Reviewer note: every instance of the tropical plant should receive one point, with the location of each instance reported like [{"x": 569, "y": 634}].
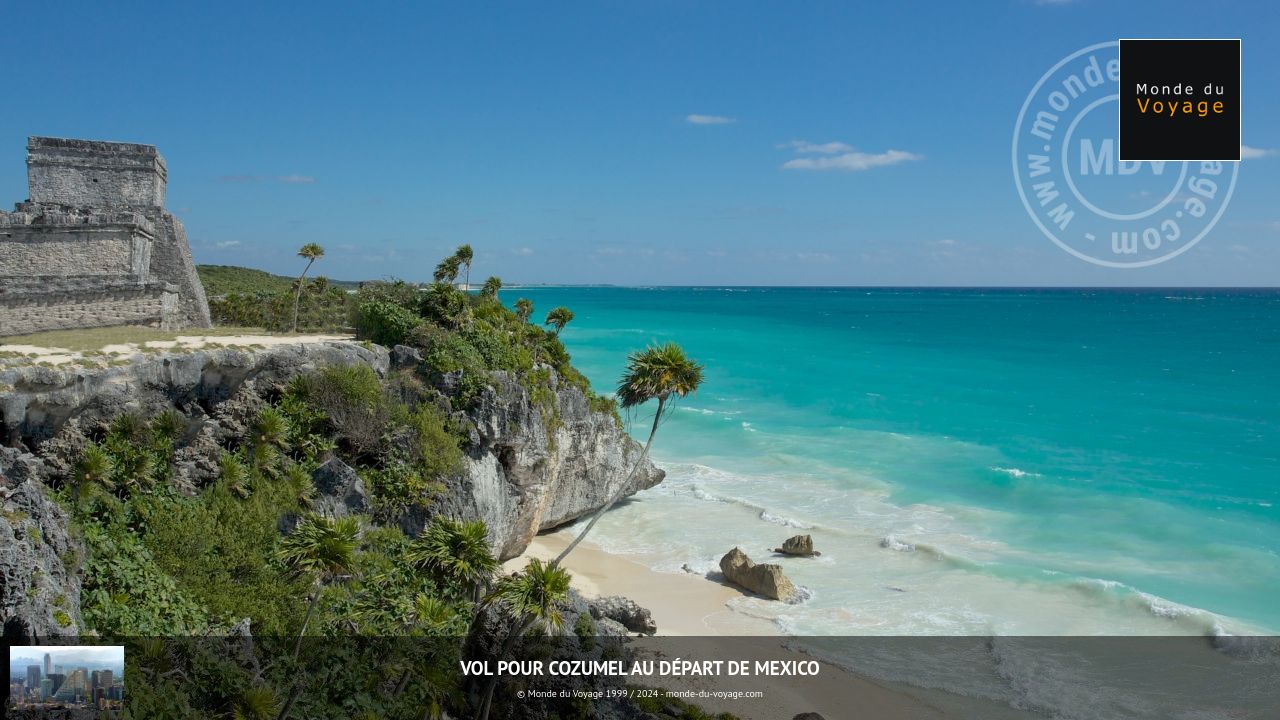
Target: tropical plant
[
  {"x": 312, "y": 252},
  {"x": 491, "y": 288},
  {"x": 448, "y": 269},
  {"x": 385, "y": 323},
  {"x": 323, "y": 549},
  {"x": 558, "y": 318},
  {"x": 659, "y": 372},
  {"x": 531, "y": 596},
  {"x": 524, "y": 309},
  {"x": 256, "y": 703},
  {"x": 456, "y": 552},
  {"x": 92, "y": 474},
  {"x": 464, "y": 256}
]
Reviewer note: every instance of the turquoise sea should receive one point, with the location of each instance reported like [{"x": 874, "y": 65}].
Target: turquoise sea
[{"x": 1019, "y": 462}]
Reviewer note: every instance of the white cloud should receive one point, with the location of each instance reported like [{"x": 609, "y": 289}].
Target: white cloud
[
  {"x": 709, "y": 119},
  {"x": 524, "y": 251},
  {"x": 227, "y": 244},
  {"x": 806, "y": 147},
  {"x": 852, "y": 161},
  {"x": 297, "y": 179},
  {"x": 1253, "y": 153}
]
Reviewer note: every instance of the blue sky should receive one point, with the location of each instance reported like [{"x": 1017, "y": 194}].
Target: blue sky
[{"x": 556, "y": 137}]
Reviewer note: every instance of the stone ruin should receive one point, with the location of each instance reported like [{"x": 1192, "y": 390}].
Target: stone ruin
[{"x": 94, "y": 246}]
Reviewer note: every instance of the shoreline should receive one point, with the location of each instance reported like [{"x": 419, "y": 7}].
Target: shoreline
[
  {"x": 692, "y": 614},
  {"x": 683, "y": 604}
]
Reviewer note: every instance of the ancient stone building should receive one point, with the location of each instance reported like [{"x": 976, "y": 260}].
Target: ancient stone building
[{"x": 93, "y": 245}]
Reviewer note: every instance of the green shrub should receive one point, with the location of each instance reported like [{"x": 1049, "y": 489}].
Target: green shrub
[
  {"x": 352, "y": 401},
  {"x": 126, "y": 593},
  {"x": 436, "y": 442},
  {"x": 385, "y": 323},
  {"x": 398, "y": 487}
]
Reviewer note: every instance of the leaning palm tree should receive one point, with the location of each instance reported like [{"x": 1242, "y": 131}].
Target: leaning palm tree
[
  {"x": 531, "y": 596},
  {"x": 465, "y": 256},
  {"x": 524, "y": 308},
  {"x": 491, "y": 288},
  {"x": 448, "y": 269},
  {"x": 558, "y": 318},
  {"x": 311, "y": 252},
  {"x": 659, "y": 372}
]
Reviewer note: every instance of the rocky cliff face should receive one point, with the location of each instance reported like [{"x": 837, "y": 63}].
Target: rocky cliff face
[
  {"x": 532, "y": 463},
  {"x": 537, "y": 464},
  {"x": 36, "y": 402}
]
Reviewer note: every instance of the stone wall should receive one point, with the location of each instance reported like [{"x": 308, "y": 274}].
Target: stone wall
[
  {"x": 94, "y": 245},
  {"x": 88, "y": 173},
  {"x": 151, "y": 305},
  {"x": 117, "y": 247}
]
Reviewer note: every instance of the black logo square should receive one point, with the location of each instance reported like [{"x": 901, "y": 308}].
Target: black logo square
[{"x": 1179, "y": 100}]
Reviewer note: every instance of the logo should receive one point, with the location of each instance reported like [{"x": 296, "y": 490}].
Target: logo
[{"x": 1107, "y": 211}]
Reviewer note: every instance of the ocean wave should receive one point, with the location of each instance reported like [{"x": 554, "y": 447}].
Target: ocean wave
[
  {"x": 767, "y": 516},
  {"x": 1015, "y": 472},
  {"x": 1196, "y": 620},
  {"x": 890, "y": 542}
]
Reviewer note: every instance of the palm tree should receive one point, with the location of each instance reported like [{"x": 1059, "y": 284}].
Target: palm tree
[
  {"x": 323, "y": 548},
  {"x": 464, "y": 256},
  {"x": 311, "y": 252},
  {"x": 558, "y": 318},
  {"x": 456, "y": 551},
  {"x": 448, "y": 269},
  {"x": 491, "y": 288},
  {"x": 257, "y": 702},
  {"x": 659, "y": 372},
  {"x": 532, "y": 595},
  {"x": 524, "y": 308}
]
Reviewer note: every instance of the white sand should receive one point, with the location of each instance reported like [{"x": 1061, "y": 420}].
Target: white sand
[{"x": 690, "y": 605}]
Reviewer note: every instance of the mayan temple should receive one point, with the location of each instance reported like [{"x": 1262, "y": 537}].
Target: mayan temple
[{"x": 93, "y": 245}]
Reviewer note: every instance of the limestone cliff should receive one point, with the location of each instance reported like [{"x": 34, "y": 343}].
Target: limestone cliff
[
  {"x": 537, "y": 465},
  {"x": 535, "y": 460}
]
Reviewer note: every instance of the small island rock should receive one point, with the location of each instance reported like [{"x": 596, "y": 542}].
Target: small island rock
[{"x": 760, "y": 578}]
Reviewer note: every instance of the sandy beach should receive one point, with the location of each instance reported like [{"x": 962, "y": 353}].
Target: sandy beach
[{"x": 694, "y": 622}]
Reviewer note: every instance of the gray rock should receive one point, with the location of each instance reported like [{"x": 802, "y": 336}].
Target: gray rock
[
  {"x": 625, "y": 611},
  {"x": 404, "y": 356},
  {"x": 760, "y": 578},
  {"x": 808, "y": 716},
  {"x": 39, "y": 568},
  {"x": 17, "y": 467},
  {"x": 533, "y": 467},
  {"x": 44, "y": 399},
  {"x": 801, "y": 545},
  {"x": 339, "y": 490}
]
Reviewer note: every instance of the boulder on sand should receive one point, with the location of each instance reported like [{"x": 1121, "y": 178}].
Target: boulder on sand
[
  {"x": 801, "y": 545},
  {"x": 760, "y": 578}
]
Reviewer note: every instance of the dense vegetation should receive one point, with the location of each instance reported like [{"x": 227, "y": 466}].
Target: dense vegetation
[
  {"x": 220, "y": 280},
  {"x": 247, "y": 543}
]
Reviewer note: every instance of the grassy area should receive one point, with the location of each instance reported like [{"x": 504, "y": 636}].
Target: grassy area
[
  {"x": 222, "y": 280},
  {"x": 89, "y": 339}
]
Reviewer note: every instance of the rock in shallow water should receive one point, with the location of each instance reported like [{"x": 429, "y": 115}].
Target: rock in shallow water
[
  {"x": 760, "y": 578},
  {"x": 801, "y": 545}
]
